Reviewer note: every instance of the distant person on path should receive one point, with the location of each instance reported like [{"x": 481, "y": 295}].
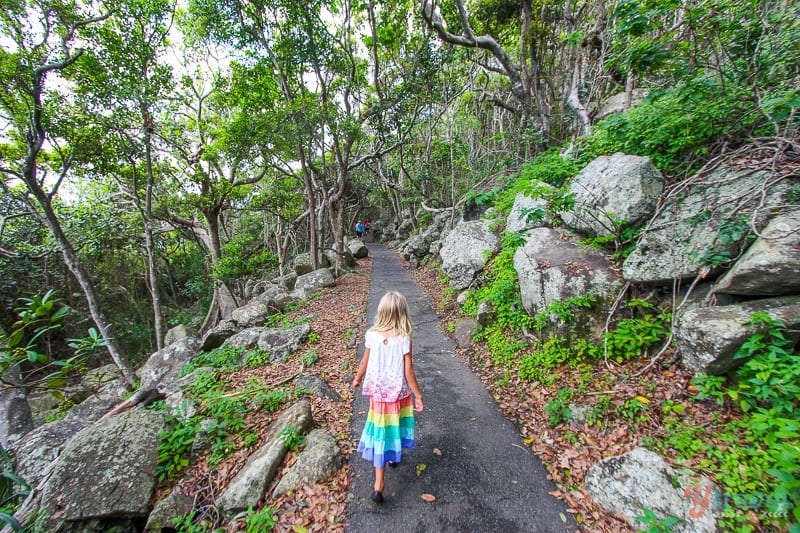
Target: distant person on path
[
  {"x": 359, "y": 229},
  {"x": 389, "y": 380}
]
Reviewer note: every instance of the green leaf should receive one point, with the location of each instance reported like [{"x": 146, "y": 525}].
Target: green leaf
[{"x": 10, "y": 521}]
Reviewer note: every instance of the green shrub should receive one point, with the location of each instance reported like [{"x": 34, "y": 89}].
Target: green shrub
[
  {"x": 557, "y": 410},
  {"x": 223, "y": 358},
  {"x": 256, "y": 358},
  {"x": 674, "y": 127},
  {"x": 757, "y": 456},
  {"x": 263, "y": 520},
  {"x": 292, "y": 437}
]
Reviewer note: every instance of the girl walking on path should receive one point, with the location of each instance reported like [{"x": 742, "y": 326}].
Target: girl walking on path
[{"x": 387, "y": 372}]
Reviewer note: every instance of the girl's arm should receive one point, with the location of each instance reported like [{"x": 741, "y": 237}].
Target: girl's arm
[
  {"x": 362, "y": 369},
  {"x": 411, "y": 377}
]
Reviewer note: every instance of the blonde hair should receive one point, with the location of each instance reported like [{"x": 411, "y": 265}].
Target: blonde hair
[{"x": 393, "y": 314}]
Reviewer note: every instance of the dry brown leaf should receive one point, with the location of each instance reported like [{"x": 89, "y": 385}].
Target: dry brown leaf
[{"x": 428, "y": 497}]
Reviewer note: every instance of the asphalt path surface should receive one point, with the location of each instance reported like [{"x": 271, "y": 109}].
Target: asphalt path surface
[{"x": 467, "y": 456}]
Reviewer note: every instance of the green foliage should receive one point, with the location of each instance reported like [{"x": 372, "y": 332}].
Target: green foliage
[
  {"x": 544, "y": 358},
  {"x": 256, "y": 358},
  {"x": 632, "y": 337},
  {"x": 38, "y": 320},
  {"x": 223, "y": 358},
  {"x": 757, "y": 456},
  {"x": 633, "y": 410},
  {"x": 220, "y": 417},
  {"x": 563, "y": 310},
  {"x": 28, "y": 347},
  {"x": 654, "y": 524},
  {"x": 557, "y": 410},
  {"x": 292, "y": 437},
  {"x": 263, "y": 520},
  {"x": 190, "y": 524},
  {"x": 674, "y": 127},
  {"x": 309, "y": 358},
  {"x": 770, "y": 377},
  {"x": 480, "y": 198},
  {"x": 502, "y": 290},
  {"x": 271, "y": 400},
  {"x": 245, "y": 254},
  {"x": 597, "y": 414},
  {"x": 623, "y": 238},
  {"x": 176, "y": 443},
  {"x": 12, "y": 490},
  {"x": 543, "y": 177},
  {"x": 314, "y": 337},
  {"x": 504, "y": 347}
]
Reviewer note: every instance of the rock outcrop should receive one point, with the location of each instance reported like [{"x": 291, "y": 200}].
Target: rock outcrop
[
  {"x": 319, "y": 460},
  {"x": 466, "y": 250},
  {"x": 699, "y": 228},
  {"x": 552, "y": 267},
  {"x": 106, "y": 471},
  {"x": 250, "y": 484},
  {"x": 630, "y": 483},
  {"x": 771, "y": 266},
  {"x": 708, "y": 337},
  {"x": 611, "y": 191},
  {"x": 277, "y": 342}
]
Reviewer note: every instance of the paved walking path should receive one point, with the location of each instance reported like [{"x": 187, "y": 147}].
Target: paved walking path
[{"x": 482, "y": 475}]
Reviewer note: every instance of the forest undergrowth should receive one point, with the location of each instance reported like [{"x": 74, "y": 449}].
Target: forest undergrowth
[
  {"x": 336, "y": 317},
  {"x": 624, "y": 405}
]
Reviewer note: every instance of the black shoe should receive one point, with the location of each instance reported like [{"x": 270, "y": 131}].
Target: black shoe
[
  {"x": 377, "y": 496},
  {"x": 393, "y": 464}
]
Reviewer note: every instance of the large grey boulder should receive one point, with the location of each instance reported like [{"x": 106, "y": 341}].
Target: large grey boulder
[
  {"x": 551, "y": 267},
  {"x": 38, "y": 448},
  {"x": 250, "y": 484},
  {"x": 302, "y": 263},
  {"x": 466, "y": 250},
  {"x": 345, "y": 258},
  {"x": 771, "y": 266},
  {"x": 176, "y": 504},
  {"x": 708, "y": 337},
  {"x": 317, "y": 386},
  {"x": 620, "y": 102},
  {"x": 217, "y": 335},
  {"x": 34, "y": 452},
  {"x": 313, "y": 281},
  {"x": 617, "y": 188},
  {"x": 418, "y": 246},
  {"x": 279, "y": 343},
  {"x": 640, "y": 479},
  {"x": 254, "y": 313},
  {"x": 528, "y": 211},
  {"x": 357, "y": 248},
  {"x": 178, "y": 333},
  {"x": 107, "y": 470},
  {"x": 319, "y": 460},
  {"x": 164, "y": 366},
  {"x": 686, "y": 231}
]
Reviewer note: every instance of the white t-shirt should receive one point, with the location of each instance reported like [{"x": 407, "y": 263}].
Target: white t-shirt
[{"x": 385, "y": 379}]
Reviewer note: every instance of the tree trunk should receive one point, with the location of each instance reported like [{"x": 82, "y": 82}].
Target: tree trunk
[
  {"x": 74, "y": 265},
  {"x": 35, "y": 140},
  {"x": 158, "y": 315}
]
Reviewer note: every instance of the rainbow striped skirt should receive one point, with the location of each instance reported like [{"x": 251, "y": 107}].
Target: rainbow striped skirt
[{"x": 389, "y": 429}]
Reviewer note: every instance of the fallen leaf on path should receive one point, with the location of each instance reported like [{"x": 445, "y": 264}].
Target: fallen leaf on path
[
  {"x": 437, "y": 451},
  {"x": 421, "y": 467},
  {"x": 428, "y": 498}
]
